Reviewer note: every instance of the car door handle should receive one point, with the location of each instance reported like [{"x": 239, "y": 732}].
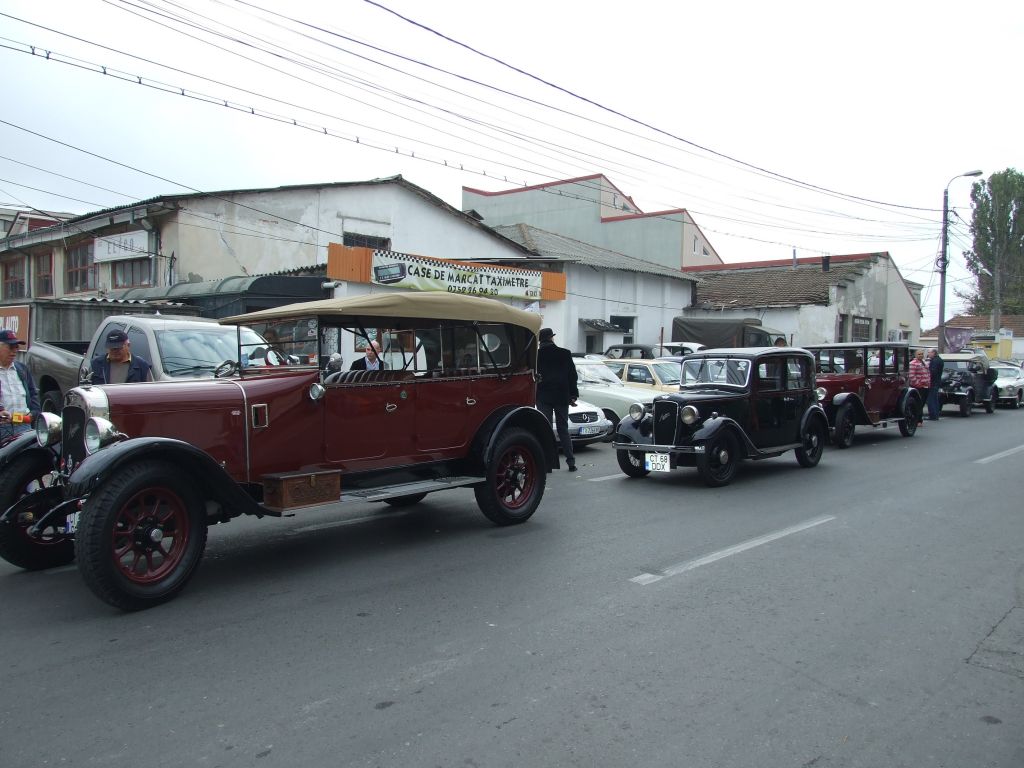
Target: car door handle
[
  {"x": 470, "y": 401},
  {"x": 390, "y": 407}
]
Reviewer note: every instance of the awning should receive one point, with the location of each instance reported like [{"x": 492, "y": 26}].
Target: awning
[{"x": 598, "y": 324}]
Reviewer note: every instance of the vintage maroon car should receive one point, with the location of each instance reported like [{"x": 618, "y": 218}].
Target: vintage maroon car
[
  {"x": 144, "y": 469},
  {"x": 866, "y": 384}
]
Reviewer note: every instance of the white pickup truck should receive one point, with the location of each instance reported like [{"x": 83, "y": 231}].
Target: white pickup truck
[{"x": 176, "y": 346}]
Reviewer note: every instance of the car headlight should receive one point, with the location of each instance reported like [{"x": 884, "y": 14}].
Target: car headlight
[
  {"x": 98, "y": 433},
  {"x": 821, "y": 393},
  {"x": 48, "y": 429},
  {"x": 636, "y": 411},
  {"x": 689, "y": 415}
]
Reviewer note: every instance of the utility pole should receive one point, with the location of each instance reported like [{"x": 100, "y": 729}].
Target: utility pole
[{"x": 943, "y": 263}]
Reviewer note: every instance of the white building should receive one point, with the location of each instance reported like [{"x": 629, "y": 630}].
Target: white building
[{"x": 592, "y": 210}]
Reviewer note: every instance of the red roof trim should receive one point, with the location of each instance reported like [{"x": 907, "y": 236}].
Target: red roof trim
[
  {"x": 512, "y": 191},
  {"x": 835, "y": 259},
  {"x": 626, "y": 217}
]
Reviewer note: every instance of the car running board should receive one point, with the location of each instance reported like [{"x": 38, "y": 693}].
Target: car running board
[{"x": 409, "y": 489}]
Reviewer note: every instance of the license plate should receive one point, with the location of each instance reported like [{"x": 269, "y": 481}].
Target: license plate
[
  {"x": 71, "y": 523},
  {"x": 656, "y": 462},
  {"x": 590, "y": 430}
]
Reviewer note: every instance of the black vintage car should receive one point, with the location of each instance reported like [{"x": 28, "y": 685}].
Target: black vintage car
[
  {"x": 733, "y": 404},
  {"x": 967, "y": 381}
]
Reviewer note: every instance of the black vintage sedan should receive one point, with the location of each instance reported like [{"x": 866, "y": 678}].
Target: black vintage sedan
[{"x": 733, "y": 404}]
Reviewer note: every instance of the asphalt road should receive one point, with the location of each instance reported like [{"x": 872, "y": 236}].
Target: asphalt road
[{"x": 867, "y": 612}]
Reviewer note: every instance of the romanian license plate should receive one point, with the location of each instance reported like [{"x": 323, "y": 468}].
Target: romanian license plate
[
  {"x": 71, "y": 523},
  {"x": 656, "y": 462},
  {"x": 590, "y": 430}
]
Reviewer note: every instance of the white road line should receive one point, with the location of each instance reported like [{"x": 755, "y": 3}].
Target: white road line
[
  {"x": 675, "y": 570},
  {"x": 340, "y": 523},
  {"x": 606, "y": 477},
  {"x": 1002, "y": 455}
]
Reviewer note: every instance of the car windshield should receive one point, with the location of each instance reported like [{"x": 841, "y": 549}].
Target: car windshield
[
  {"x": 715, "y": 370},
  {"x": 667, "y": 372},
  {"x": 596, "y": 373},
  {"x": 954, "y": 365},
  {"x": 194, "y": 351},
  {"x": 1009, "y": 373}
]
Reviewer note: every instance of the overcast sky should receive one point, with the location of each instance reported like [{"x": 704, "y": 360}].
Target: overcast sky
[{"x": 824, "y": 127}]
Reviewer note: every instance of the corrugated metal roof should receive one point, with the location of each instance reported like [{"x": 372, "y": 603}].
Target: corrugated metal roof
[{"x": 774, "y": 286}]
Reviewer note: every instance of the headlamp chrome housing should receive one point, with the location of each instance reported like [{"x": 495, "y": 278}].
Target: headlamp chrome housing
[
  {"x": 99, "y": 433},
  {"x": 689, "y": 415},
  {"x": 636, "y": 411},
  {"x": 821, "y": 393},
  {"x": 48, "y": 427}
]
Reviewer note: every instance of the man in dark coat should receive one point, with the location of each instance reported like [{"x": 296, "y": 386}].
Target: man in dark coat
[
  {"x": 371, "y": 360},
  {"x": 556, "y": 390},
  {"x": 119, "y": 365},
  {"x": 935, "y": 366}
]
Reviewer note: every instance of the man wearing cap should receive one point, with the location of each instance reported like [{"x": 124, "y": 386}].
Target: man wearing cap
[
  {"x": 119, "y": 365},
  {"x": 556, "y": 389},
  {"x": 19, "y": 399}
]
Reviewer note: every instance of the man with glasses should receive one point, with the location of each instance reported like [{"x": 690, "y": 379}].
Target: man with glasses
[{"x": 19, "y": 399}]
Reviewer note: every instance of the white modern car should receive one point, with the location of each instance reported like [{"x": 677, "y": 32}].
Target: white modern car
[
  {"x": 598, "y": 385},
  {"x": 1010, "y": 384}
]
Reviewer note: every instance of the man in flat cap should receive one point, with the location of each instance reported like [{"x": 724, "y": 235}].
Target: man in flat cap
[
  {"x": 557, "y": 390},
  {"x": 119, "y": 365},
  {"x": 19, "y": 399}
]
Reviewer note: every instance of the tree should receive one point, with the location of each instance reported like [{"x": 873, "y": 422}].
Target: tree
[{"x": 997, "y": 256}]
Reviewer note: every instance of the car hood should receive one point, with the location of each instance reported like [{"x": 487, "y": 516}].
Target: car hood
[
  {"x": 709, "y": 395},
  {"x": 600, "y": 393}
]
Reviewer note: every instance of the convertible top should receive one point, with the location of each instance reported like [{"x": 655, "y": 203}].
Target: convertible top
[{"x": 425, "y": 305}]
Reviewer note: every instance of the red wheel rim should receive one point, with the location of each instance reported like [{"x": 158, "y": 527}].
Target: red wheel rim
[
  {"x": 516, "y": 477},
  {"x": 150, "y": 535}
]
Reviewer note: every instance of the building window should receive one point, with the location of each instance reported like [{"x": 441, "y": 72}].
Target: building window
[
  {"x": 861, "y": 330},
  {"x": 696, "y": 252},
  {"x": 14, "y": 279},
  {"x": 878, "y": 330},
  {"x": 80, "y": 272},
  {"x": 626, "y": 323},
  {"x": 42, "y": 275},
  {"x": 841, "y": 327},
  {"x": 130, "y": 273},
  {"x": 355, "y": 240}
]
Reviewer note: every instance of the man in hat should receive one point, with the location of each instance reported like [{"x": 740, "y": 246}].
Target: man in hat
[
  {"x": 119, "y": 365},
  {"x": 19, "y": 399},
  {"x": 556, "y": 390}
]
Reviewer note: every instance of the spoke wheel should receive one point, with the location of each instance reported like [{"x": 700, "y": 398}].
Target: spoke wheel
[
  {"x": 141, "y": 536},
  {"x": 717, "y": 465},
  {"x": 912, "y": 414},
  {"x": 845, "y": 427},
  {"x": 28, "y": 473},
  {"x": 813, "y": 444},
  {"x": 515, "y": 481},
  {"x": 632, "y": 463}
]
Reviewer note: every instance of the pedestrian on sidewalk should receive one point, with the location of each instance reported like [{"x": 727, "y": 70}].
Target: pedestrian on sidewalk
[
  {"x": 921, "y": 380},
  {"x": 935, "y": 366}
]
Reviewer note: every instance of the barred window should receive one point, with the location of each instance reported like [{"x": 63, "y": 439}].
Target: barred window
[
  {"x": 14, "y": 279},
  {"x": 80, "y": 271},
  {"x": 355, "y": 240},
  {"x": 861, "y": 330},
  {"x": 43, "y": 274}
]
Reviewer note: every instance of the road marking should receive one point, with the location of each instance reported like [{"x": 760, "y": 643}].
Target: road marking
[
  {"x": 674, "y": 570},
  {"x": 606, "y": 477},
  {"x": 340, "y": 523},
  {"x": 1002, "y": 455}
]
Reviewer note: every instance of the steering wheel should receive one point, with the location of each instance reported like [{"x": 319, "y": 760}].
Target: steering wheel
[{"x": 227, "y": 368}]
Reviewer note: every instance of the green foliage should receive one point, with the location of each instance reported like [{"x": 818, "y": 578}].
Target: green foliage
[{"x": 997, "y": 256}]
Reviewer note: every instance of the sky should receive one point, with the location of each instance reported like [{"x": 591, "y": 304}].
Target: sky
[{"x": 809, "y": 126}]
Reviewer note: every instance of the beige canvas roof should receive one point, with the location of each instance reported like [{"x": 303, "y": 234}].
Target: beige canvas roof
[{"x": 425, "y": 305}]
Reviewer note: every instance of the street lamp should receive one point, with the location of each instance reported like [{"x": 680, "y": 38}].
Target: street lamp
[{"x": 943, "y": 259}]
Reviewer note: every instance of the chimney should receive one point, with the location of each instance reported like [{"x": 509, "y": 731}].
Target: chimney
[{"x": 824, "y": 262}]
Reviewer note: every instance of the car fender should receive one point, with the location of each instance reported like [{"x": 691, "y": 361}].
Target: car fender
[
  {"x": 715, "y": 426},
  {"x": 200, "y": 468},
  {"x": 636, "y": 431},
  {"x": 521, "y": 416},
  {"x": 908, "y": 395},
  {"x": 812, "y": 413},
  {"x": 23, "y": 443},
  {"x": 853, "y": 400}
]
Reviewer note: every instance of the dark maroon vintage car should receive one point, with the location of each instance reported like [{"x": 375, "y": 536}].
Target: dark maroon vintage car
[
  {"x": 128, "y": 478},
  {"x": 866, "y": 384}
]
